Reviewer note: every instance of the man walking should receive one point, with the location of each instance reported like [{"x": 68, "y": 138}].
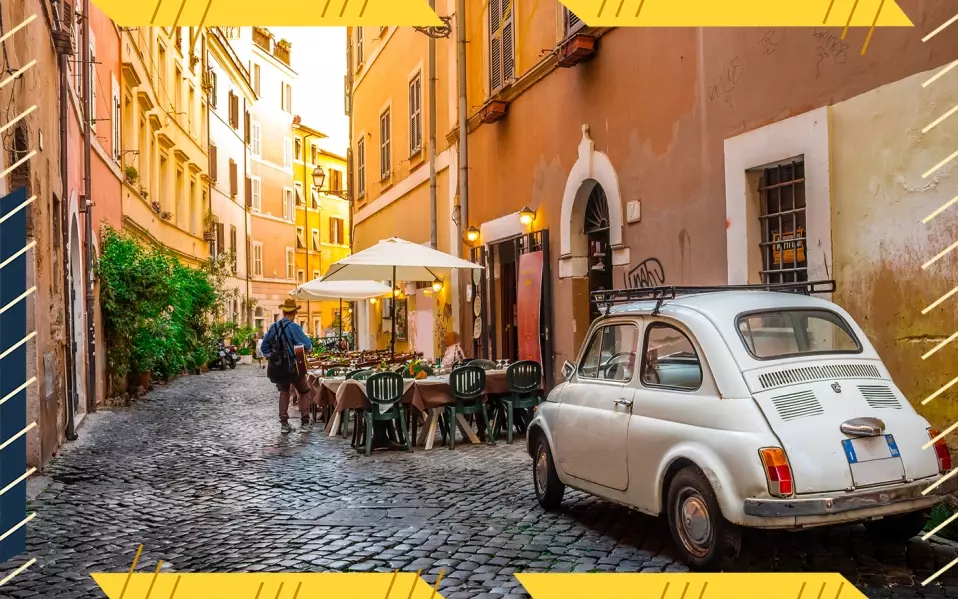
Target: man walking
[{"x": 282, "y": 336}]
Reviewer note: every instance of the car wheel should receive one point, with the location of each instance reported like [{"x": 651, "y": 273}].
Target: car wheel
[
  {"x": 549, "y": 489},
  {"x": 699, "y": 530},
  {"x": 898, "y": 529}
]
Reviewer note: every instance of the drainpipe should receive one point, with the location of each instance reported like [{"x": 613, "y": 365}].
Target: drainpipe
[
  {"x": 64, "y": 217},
  {"x": 307, "y": 232},
  {"x": 246, "y": 204},
  {"x": 88, "y": 205},
  {"x": 432, "y": 136},
  {"x": 463, "y": 130}
]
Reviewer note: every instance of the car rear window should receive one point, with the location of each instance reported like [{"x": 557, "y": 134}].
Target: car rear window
[{"x": 787, "y": 333}]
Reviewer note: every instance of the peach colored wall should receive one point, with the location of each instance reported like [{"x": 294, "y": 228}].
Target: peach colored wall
[{"x": 660, "y": 103}]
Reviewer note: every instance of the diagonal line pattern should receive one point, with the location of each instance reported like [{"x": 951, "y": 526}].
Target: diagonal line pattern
[
  {"x": 18, "y": 480},
  {"x": 29, "y": 201},
  {"x": 940, "y": 255},
  {"x": 944, "y": 207},
  {"x": 938, "y": 302},
  {"x": 26, "y": 430},
  {"x": 831, "y": 5},
  {"x": 938, "y": 347},
  {"x": 940, "y": 74},
  {"x": 10, "y": 33},
  {"x": 18, "y": 526},
  {"x": 940, "y": 119},
  {"x": 941, "y": 28},
  {"x": 871, "y": 30},
  {"x": 16, "y": 572},
  {"x": 16, "y": 74},
  {"x": 941, "y": 164},
  {"x": 848, "y": 23}
]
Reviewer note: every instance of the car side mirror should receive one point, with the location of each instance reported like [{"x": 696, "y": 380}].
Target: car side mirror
[{"x": 568, "y": 369}]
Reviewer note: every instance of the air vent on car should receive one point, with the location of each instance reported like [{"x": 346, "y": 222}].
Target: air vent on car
[
  {"x": 808, "y": 374},
  {"x": 880, "y": 397},
  {"x": 797, "y": 405}
]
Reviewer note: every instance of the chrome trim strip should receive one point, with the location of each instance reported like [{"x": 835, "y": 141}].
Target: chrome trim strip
[{"x": 837, "y": 504}]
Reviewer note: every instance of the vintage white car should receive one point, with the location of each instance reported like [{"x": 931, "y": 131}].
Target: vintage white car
[{"x": 737, "y": 407}]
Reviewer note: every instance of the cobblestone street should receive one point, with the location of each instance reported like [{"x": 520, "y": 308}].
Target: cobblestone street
[{"x": 198, "y": 473}]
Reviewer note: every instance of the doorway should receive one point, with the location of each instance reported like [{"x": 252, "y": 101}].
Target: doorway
[
  {"x": 76, "y": 307},
  {"x": 596, "y": 229},
  {"x": 508, "y": 286}
]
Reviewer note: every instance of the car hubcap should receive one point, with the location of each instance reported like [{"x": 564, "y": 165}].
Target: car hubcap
[
  {"x": 693, "y": 522},
  {"x": 542, "y": 472}
]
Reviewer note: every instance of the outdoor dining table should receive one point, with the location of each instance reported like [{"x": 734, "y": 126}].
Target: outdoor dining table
[{"x": 429, "y": 396}]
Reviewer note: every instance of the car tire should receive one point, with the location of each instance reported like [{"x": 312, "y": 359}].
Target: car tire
[
  {"x": 702, "y": 535},
  {"x": 898, "y": 529},
  {"x": 545, "y": 479}
]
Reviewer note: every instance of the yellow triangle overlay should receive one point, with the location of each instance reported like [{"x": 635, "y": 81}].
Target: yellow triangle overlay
[
  {"x": 689, "y": 586},
  {"x": 310, "y": 585},
  {"x": 278, "y": 13},
  {"x": 738, "y": 13}
]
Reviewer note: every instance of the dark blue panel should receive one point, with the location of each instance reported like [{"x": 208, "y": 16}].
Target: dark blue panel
[{"x": 13, "y": 372}]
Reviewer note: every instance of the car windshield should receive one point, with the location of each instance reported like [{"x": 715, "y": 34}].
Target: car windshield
[{"x": 789, "y": 333}]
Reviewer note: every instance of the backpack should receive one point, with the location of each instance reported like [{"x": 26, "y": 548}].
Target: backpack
[{"x": 281, "y": 366}]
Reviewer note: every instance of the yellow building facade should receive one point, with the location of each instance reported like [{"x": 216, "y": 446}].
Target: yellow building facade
[
  {"x": 389, "y": 107},
  {"x": 322, "y": 222},
  {"x": 165, "y": 198}
]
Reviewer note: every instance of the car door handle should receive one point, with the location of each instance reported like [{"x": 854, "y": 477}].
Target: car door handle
[{"x": 623, "y": 402}]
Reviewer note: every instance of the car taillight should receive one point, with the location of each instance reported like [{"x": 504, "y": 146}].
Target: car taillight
[
  {"x": 941, "y": 451},
  {"x": 777, "y": 471}
]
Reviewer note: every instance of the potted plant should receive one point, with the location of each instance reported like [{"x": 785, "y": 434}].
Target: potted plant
[
  {"x": 143, "y": 193},
  {"x": 132, "y": 176},
  {"x": 156, "y": 206},
  {"x": 166, "y": 216}
]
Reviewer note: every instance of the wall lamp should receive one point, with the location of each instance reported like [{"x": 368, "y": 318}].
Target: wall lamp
[
  {"x": 472, "y": 234},
  {"x": 437, "y": 285},
  {"x": 527, "y": 215}
]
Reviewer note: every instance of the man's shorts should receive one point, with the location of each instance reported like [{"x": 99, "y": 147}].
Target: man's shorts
[{"x": 301, "y": 384}]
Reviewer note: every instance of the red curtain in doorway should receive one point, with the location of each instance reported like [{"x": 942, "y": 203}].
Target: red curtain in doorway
[{"x": 529, "y": 305}]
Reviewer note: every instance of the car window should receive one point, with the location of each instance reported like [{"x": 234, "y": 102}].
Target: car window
[
  {"x": 589, "y": 367},
  {"x": 670, "y": 359},
  {"x": 786, "y": 333},
  {"x": 618, "y": 352}
]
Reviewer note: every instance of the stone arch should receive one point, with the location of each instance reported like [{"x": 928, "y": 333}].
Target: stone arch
[
  {"x": 77, "y": 295},
  {"x": 591, "y": 169}
]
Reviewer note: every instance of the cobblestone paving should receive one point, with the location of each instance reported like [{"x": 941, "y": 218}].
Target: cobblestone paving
[{"x": 199, "y": 474}]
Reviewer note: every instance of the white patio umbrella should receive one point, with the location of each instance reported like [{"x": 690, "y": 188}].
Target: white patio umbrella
[
  {"x": 322, "y": 290},
  {"x": 396, "y": 259}
]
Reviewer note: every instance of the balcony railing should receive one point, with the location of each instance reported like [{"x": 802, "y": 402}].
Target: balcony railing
[{"x": 261, "y": 38}]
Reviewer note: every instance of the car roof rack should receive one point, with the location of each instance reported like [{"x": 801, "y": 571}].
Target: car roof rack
[{"x": 611, "y": 297}]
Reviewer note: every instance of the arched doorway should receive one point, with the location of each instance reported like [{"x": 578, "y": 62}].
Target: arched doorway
[
  {"x": 596, "y": 228},
  {"x": 76, "y": 308}
]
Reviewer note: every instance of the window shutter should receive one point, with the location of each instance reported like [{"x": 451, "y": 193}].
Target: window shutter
[
  {"x": 220, "y": 238},
  {"x": 246, "y": 132},
  {"x": 249, "y": 192},
  {"x": 214, "y": 164},
  {"x": 233, "y": 245},
  {"x": 339, "y": 231},
  {"x": 508, "y": 42},
  {"x": 234, "y": 179},
  {"x": 495, "y": 44}
]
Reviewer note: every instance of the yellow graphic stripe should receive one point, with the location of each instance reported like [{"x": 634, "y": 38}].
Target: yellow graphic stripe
[
  {"x": 281, "y": 13},
  {"x": 156, "y": 584},
  {"x": 740, "y": 13},
  {"x": 689, "y": 586}
]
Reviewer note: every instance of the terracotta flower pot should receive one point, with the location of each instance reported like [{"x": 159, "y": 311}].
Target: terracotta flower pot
[{"x": 143, "y": 380}]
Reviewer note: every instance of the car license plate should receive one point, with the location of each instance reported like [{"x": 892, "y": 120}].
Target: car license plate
[
  {"x": 870, "y": 448},
  {"x": 873, "y": 460}
]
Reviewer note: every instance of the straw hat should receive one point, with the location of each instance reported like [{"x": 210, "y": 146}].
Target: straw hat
[{"x": 289, "y": 306}]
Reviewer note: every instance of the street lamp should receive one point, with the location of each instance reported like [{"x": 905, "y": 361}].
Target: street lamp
[
  {"x": 319, "y": 177},
  {"x": 437, "y": 285},
  {"x": 526, "y": 216}
]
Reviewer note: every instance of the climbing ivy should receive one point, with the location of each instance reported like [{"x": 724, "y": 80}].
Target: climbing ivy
[{"x": 156, "y": 311}]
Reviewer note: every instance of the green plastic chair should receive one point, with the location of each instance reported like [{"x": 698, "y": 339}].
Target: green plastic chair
[
  {"x": 484, "y": 364},
  {"x": 336, "y": 371},
  {"x": 468, "y": 385},
  {"x": 384, "y": 389},
  {"x": 360, "y": 375},
  {"x": 524, "y": 380}
]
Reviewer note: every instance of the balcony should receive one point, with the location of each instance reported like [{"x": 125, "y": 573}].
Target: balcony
[
  {"x": 281, "y": 51},
  {"x": 263, "y": 39}
]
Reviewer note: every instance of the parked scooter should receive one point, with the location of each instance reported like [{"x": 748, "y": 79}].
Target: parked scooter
[{"x": 226, "y": 356}]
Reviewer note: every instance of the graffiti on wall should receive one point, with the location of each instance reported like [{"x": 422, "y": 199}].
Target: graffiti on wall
[{"x": 648, "y": 273}]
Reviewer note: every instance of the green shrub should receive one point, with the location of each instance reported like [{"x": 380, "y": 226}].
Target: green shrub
[{"x": 157, "y": 311}]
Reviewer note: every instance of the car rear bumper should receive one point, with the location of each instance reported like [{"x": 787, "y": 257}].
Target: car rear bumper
[{"x": 842, "y": 503}]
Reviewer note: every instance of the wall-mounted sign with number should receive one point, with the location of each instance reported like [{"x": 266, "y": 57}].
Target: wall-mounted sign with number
[{"x": 788, "y": 243}]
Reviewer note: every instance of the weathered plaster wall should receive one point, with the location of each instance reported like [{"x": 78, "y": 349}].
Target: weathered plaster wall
[{"x": 879, "y": 197}]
